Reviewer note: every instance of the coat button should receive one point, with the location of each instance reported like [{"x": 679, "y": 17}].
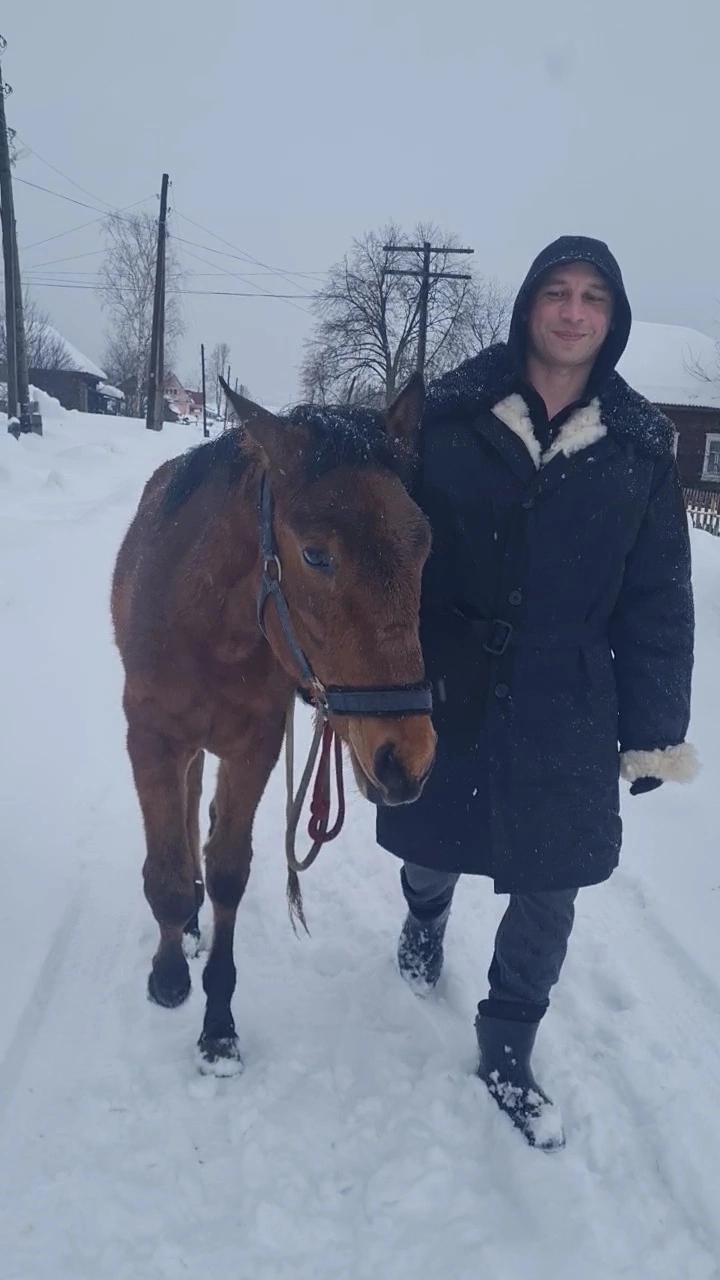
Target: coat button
[
  {"x": 501, "y": 691},
  {"x": 515, "y": 597}
]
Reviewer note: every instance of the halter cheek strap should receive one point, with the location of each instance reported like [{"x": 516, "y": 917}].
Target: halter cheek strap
[{"x": 392, "y": 701}]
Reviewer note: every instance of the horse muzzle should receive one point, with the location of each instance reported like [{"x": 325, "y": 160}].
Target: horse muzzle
[{"x": 391, "y": 768}]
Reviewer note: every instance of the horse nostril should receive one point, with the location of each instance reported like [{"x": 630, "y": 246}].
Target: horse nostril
[
  {"x": 392, "y": 776},
  {"x": 386, "y": 764}
]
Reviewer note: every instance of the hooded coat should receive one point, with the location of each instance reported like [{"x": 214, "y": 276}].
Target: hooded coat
[{"x": 557, "y": 615}]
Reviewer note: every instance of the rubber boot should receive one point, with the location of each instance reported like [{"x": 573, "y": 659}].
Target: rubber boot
[
  {"x": 420, "y": 951},
  {"x": 505, "y": 1051}
]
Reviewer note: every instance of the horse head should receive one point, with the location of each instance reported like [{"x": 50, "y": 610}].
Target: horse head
[{"x": 350, "y": 544}]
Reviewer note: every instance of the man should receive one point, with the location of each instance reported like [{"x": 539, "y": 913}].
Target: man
[{"x": 557, "y": 627}]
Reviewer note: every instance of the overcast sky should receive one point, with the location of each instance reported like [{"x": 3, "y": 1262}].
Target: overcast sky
[{"x": 289, "y": 128}]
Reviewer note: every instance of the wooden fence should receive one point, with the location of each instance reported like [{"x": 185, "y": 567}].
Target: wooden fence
[
  {"x": 703, "y": 508},
  {"x": 708, "y": 499},
  {"x": 707, "y": 520}
]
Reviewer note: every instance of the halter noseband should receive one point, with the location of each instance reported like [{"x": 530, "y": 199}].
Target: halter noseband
[{"x": 394, "y": 700}]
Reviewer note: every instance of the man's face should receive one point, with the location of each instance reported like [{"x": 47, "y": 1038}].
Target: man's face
[{"x": 570, "y": 316}]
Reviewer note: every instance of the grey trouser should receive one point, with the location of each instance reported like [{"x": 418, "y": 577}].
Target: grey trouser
[{"x": 531, "y": 941}]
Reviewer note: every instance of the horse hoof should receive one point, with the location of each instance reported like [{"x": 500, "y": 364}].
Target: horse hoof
[
  {"x": 168, "y": 986},
  {"x": 219, "y": 1056}
]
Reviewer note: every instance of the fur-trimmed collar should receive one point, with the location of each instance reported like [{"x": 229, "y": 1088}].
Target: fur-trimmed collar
[
  {"x": 491, "y": 377},
  {"x": 583, "y": 428}
]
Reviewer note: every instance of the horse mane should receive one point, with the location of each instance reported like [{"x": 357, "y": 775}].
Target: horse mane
[{"x": 340, "y": 436}]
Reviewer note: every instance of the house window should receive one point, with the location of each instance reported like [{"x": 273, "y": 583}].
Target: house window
[{"x": 711, "y": 464}]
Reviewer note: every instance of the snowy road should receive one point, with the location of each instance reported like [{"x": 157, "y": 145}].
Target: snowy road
[{"x": 357, "y": 1143}]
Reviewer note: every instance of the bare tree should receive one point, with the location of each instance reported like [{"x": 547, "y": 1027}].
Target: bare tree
[
  {"x": 45, "y": 347},
  {"x": 489, "y": 311},
  {"x": 701, "y": 370},
  {"x": 127, "y": 284},
  {"x": 367, "y": 321},
  {"x": 219, "y": 358}
]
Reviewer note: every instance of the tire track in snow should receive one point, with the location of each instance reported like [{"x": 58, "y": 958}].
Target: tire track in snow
[
  {"x": 31, "y": 1020},
  {"x": 645, "y": 1076},
  {"x": 696, "y": 977}
]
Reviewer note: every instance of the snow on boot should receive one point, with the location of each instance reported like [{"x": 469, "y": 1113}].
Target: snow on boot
[
  {"x": 505, "y": 1050},
  {"x": 420, "y": 951}
]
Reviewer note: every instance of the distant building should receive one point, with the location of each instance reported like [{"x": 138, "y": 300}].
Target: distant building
[
  {"x": 77, "y": 384},
  {"x": 177, "y": 397},
  {"x": 112, "y": 398},
  {"x": 678, "y": 369}
]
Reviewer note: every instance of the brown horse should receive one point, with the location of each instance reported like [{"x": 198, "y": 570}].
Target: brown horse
[{"x": 316, "y": 502}]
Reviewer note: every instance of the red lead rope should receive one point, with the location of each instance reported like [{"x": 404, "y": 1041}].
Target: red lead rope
[{"x": 320, "y": 802}]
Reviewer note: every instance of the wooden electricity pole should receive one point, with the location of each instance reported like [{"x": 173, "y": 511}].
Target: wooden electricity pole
[
  {"x": 425, "y": 276},
  {"x": 7, "y": 214},
  {"x": 156, "y": 369},
  {"x": 20, "y": 411},
  {"x": 226, "y": 401},
  {"x": 202, "y": 366}
]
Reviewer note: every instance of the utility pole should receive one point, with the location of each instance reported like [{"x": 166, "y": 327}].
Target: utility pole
[
  {"x": 423, "y": 309},
  {"x": 226, "y": 400},
  {"x": 156, "y": 371},
  {"x": 425, "y": 276},
  {"x": 7, "y": 213},
  {"x": 21, "y": 417},
  {"x": 206, "y": 433}
]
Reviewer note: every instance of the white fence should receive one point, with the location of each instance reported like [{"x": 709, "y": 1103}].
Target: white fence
[
  {"x": 704, "y": 518},
  {"x": 703, "y": 508}
]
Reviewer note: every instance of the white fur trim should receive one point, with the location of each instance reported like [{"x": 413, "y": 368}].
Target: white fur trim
[
  {"x": 583, "y": 428},
  {"x": 671, "y": 764},
  {"x": 514, "y": 412}
]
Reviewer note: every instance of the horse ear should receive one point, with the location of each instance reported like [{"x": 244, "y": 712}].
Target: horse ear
[
  {"x": 402, "y": 419},
  {"x": 260, "y": 424}
]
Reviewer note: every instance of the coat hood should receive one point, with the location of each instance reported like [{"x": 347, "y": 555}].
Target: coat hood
[{"x": 562, "y": 251}]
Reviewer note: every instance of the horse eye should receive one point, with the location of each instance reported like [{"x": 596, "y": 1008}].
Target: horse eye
[{"x": 317, "y": 558}]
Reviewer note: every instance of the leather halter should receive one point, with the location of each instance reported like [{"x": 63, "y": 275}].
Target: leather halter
[{"x": 392, "y": 700}]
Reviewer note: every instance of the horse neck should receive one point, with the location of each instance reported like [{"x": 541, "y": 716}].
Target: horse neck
[{"x": 236, "y": 544}]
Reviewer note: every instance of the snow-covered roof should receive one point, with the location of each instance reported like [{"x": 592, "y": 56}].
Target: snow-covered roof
[
  {"x": 113, "y": 393},
  {"x": 78, "y": 361},
  {"x": 660, "y": 360}
]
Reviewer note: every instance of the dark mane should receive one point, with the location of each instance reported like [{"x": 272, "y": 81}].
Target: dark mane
[
  {"x": 343, "y": 435},
  {"x": 340, "y": 436},
  {"x": 224, "y": 454}
]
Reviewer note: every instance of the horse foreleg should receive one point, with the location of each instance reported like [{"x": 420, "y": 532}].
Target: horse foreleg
[
  {"x": 193, "y": 787},
  {"x": 160, "y": 769},
  {"x": 228, "y": 854}
]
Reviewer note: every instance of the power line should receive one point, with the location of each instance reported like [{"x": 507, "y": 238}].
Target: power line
[
  {"x": 81, "y": 226},
  {"x": 244, "y": 258},
  {"x": 232, "y": 293},
  {"x": 223, "y": 271},
  {"x": 59, "y": 234},
  {"x": 205, "y": 293},
  {"x": 55, "y": 169},
  {"x": 236, "y": 274},
  {"x": 72, "y": 257},
  {"x": 70, "y": 199},
  {"x": 278, "y": 271}
]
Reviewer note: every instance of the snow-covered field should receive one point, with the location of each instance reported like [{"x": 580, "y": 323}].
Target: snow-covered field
[{"x": 357, "y": 1145}]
